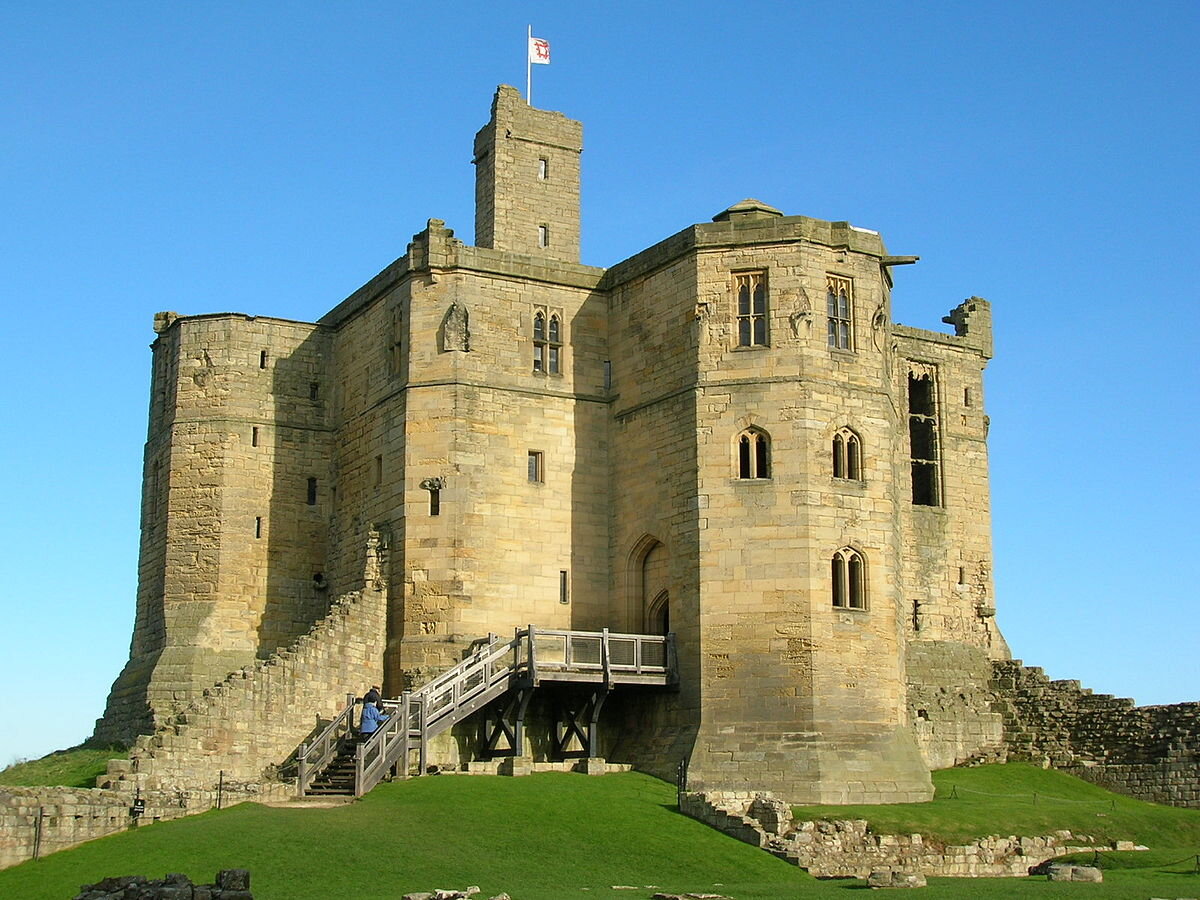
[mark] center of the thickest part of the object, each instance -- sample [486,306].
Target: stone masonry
[234,742]
[725,436]
[848,848]
[1148,752]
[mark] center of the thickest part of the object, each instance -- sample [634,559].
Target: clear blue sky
[270,157]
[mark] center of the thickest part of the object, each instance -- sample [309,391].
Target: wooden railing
[531,656]
[313,757]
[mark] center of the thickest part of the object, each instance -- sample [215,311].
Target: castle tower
[527,180]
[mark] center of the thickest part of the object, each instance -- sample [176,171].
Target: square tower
[527,180]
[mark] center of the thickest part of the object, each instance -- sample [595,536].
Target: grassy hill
[550,837]
[77,767]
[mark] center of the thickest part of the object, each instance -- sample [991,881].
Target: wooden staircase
[598,660]
[337,778]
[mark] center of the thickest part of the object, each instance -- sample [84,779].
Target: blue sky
[270,157]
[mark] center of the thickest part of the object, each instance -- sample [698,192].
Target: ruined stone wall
[37,821]
[951,703]
[1148,752]
[947,545]
[848,848]
[247,727]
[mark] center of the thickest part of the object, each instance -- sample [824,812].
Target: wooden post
[405,711]
[598,699]
[359,753]
[302,769]
[532,656]
[605,662]
[424,745]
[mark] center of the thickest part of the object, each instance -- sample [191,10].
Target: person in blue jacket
[372,718]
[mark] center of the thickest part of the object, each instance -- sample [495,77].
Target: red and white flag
[539,51]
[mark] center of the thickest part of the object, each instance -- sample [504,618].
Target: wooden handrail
[314,756]
[487,673]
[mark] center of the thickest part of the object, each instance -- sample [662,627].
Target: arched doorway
[649,582]
[658,614]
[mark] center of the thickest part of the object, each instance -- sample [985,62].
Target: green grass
[543,837]
[77,767]
[1022,799]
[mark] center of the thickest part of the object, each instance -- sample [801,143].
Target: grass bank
[77,767]
[543,837]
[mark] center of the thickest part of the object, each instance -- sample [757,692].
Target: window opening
[258,526]
[754,454]
[923,437]
[554,345]
[547,343]
[543,169]
[536,473]
[848,579]
[966,396]
[314,390]
[562,587]
[543,236]
[312,492]
[435,501]
[750,289]
[839,312]
[262,359]
[847,455]
[254,436]
[607,375]
[539,342]
[378,470]
[394,355]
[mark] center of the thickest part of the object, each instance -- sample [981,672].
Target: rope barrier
[1113,864]
[954,789]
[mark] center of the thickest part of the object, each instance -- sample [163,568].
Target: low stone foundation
[848,848]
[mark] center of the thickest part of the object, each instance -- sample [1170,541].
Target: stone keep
[725,436]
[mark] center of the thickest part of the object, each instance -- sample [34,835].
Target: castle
[725,437]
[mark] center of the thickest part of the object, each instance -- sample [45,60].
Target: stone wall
[1148,752]
[841,849]
[247,727]
[950,703]
[36,821]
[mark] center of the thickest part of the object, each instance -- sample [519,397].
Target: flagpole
[529,68]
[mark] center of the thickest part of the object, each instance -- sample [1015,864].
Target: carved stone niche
[456,333]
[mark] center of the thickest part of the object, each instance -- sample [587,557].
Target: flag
[539,51]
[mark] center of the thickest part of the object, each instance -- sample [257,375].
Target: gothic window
[547,342]
[923,434]
[539,342]
[750,293]
[847,455]
[553,345]
[849,579]
[754,454]
[839,310]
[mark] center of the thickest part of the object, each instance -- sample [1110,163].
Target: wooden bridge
[501,673]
